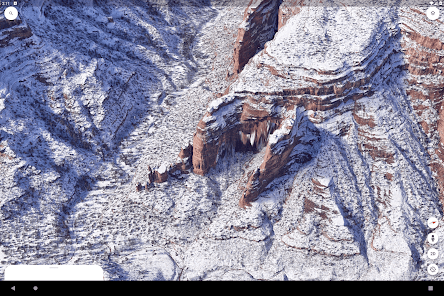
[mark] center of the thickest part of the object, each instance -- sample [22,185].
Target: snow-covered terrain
[311,147]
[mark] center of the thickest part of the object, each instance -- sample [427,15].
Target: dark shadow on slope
[116,271]
[77,42]
[357,219]
[35,203]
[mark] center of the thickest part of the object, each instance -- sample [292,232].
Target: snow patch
[2,104]
[338,221]
[324,181]
[214,105]
[396,197]
[252,138]
[162,169]
[286,128]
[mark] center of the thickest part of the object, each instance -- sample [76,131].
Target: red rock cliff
[258,27]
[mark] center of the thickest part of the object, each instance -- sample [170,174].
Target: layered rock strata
[260,22]
[276,81]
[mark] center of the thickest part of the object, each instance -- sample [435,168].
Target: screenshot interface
[209,140]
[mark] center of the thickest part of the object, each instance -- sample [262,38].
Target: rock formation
[259,26]
[273,83]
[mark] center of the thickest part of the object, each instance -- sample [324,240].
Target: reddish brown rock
[183,165]
[309,206]
[278,155]
[259,26]
[364,121]
[186,152]
[268,171]
[287,9]
[156,177]
[376,153]
[247,129]
[160,177]
[205,152]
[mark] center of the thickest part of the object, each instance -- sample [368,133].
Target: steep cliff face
[262,19]
[295,131]
[259,26]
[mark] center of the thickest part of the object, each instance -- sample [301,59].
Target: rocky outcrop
[184,160]
[287,9]
[183,165]
[277,156]
[228,126]
[259,26]
[158,176]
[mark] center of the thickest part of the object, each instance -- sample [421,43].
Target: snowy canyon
[222,140]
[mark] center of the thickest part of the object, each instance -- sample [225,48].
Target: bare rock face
[279,153]
[259,26]
[186,152]
[182,165]
[158,176]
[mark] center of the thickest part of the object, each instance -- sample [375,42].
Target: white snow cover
[215,104]
[285,129]
[162,169]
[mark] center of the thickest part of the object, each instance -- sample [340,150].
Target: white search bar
[53,273]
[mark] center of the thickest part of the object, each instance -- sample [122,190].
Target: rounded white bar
[54,273]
